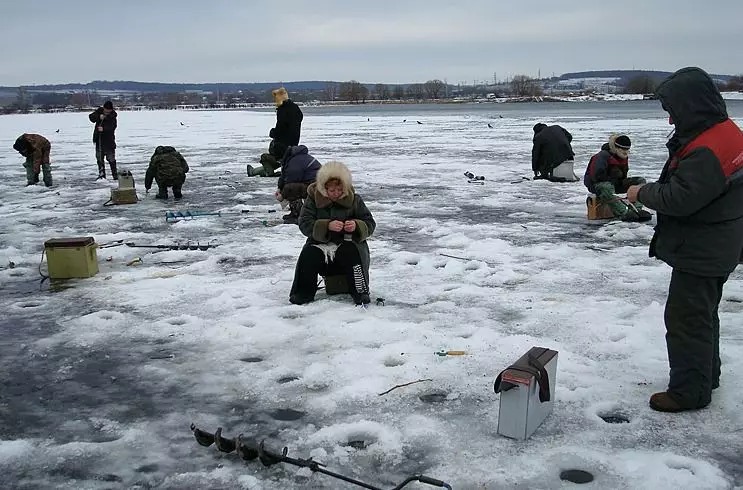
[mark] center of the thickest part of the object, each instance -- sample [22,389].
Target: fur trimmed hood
[279,96]
[334,171]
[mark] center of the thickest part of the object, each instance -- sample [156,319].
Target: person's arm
[600,171]
[535,155]
[309,225]
[697,181]
[38,157]
[365,224]
[184,164]
[150,175]
[95,116]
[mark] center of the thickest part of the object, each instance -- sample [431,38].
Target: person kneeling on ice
[337,223]
[169,169]
[606,176]
[298,171]
[36,149]
[552,156]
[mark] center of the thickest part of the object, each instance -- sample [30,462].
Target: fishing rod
[251,449]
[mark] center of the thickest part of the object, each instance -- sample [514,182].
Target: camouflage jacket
[167,167]
[35,148]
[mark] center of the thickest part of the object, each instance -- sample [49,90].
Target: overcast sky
[59,41]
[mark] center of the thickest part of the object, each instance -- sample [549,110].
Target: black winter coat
[298,166]
[109,127]
[288,124]
[699,195]
[551,148]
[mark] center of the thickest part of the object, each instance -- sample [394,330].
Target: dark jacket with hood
[288,124]
[551,148]
[167,167]
[318,211]
[606,166]
[298,166]
[699,195]
[108,135]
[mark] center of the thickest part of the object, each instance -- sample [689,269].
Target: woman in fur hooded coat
[337,223]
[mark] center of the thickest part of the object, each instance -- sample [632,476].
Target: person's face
[106,111]
[334,190]
[670,119]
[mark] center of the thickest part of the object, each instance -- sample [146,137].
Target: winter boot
[295,207]
[177,193]
[663,402]
[256,172]
[162,193]
[300,299]
[638,216]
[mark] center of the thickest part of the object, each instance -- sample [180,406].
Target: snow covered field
[100,378]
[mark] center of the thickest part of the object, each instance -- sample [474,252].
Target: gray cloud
[383,41]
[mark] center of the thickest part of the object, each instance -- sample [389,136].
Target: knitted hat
[108,105]
[538,127]
[623,142]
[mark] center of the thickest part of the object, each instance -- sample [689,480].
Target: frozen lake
[101,378]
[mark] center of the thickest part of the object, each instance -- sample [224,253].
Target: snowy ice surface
[101,377]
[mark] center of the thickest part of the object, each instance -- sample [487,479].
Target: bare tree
[524,86]
[642,84]
[353,91]
[331,91]
[416,91]
[398,92]
[734,84]
[382,91]
[434,88]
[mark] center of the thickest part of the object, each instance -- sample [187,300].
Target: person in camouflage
[104,137]
[36,149]
[168,168]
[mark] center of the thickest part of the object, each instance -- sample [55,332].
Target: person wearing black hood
[552,156]
[606,175]
[699,200]
[104,138]
[298,171]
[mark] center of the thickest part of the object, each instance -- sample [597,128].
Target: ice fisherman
[699,200]
[552,156]
[285,134]
[168,168]
[337,224]
[298,170]
[606,175]
[104,138]
[36,149]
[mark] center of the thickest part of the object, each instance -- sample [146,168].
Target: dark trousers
[311,263]
[295,194]
[101,152]
[162,187]
[693,337]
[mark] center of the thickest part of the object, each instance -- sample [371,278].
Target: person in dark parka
[286,133]
[699,200]
[551,148]
[298,171]
[337,223]
[104,137]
